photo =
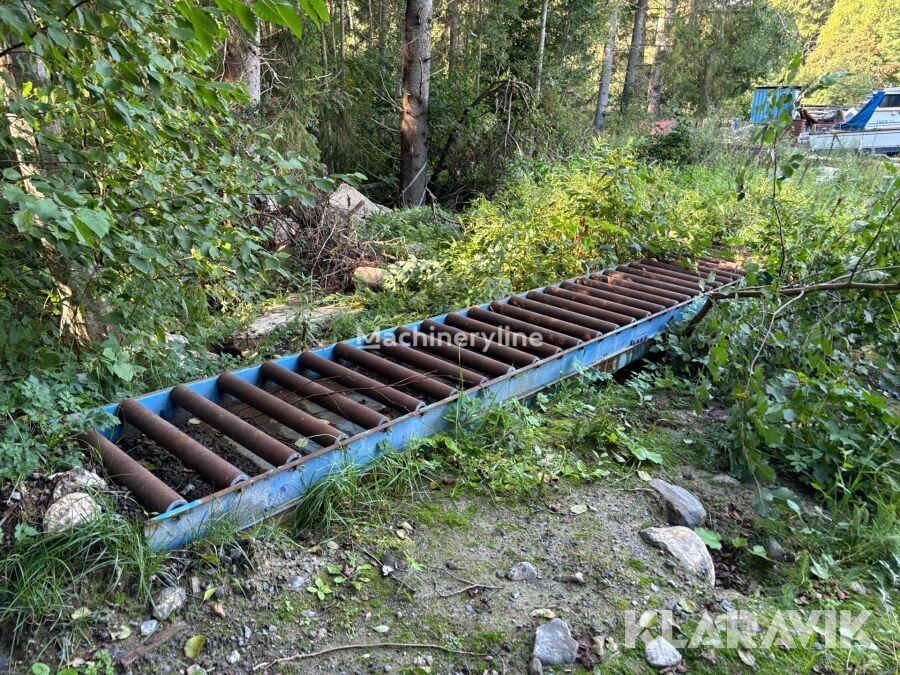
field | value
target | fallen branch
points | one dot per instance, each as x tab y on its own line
376	645
806	290
162	637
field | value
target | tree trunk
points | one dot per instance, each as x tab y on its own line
662	44
606	75
542	38
252	70
634	54
382	26
343	33
453	23
416	57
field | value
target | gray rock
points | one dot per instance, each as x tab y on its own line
775	550
535	667
168	601
297	583
660	654
148	627
69	511
725	479
523	571
858	588
682	507
685	547
233	657
553	643
373	277
76	480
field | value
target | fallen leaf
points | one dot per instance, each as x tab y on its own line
193	420
332	545
194	646
543	613
120	633
643	475
80	613
648	619
208	593
381	628
401	534
578	509
747	657
217	609
301	442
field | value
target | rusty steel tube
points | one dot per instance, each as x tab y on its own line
699	271
578	307
723	264
524	327
192	454
128	472
316	430
330	400
688	280
674	292
625	289
397	374
446	349
586	323
273	451
500	352
505	338
431	364
589	296
728	274
690	287
359	382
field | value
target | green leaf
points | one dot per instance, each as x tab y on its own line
712	539
194	646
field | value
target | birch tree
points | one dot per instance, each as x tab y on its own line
542	39
606	75
634	53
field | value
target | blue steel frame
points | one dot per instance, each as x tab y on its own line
275	491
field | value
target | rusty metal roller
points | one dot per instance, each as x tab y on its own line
359	382
192	454
689	287
430	364
323	396
699	271
623	288
501	336
643	284
691	281
726	275
150	490
316	430
273	451
394	372
526	328
726	264
595	327
494	348
445	348
577	307
589	296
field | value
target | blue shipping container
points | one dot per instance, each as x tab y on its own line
770	102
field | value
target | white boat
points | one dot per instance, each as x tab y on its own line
875	128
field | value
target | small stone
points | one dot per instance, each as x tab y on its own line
523	571
247	632
535	667
452	565
553	643
297	583
233	657
76	480
725	479
660	654
598	646
69	511
775	550
168	601
686	547
858	588
194	669
148	627
387	668
682	507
